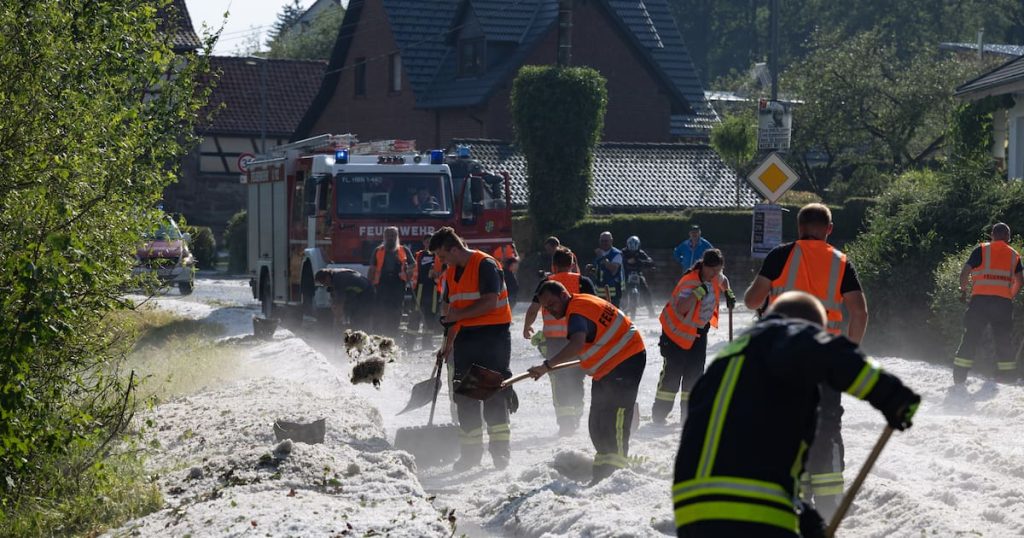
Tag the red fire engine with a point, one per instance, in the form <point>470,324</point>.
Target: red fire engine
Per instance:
<point>325,201</point>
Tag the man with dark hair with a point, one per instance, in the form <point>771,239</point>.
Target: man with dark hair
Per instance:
<point>752,416</point>
<point>566,385</point>
<point>812,265</point>
<point>996,272</point>
<point>476,309</point>
<point>427,296</point>
<point>691,250</point>
<point>611,350</point>
<point>691,311</point>
<point>351,296</point>
<point>550,245</point>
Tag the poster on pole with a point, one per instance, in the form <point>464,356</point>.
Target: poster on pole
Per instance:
<point>766,232</point>
<point>774,125</point>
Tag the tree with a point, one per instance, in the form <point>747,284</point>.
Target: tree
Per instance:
<point>735,140</point>
<point>558,115</point>
<point>286,19</point>
<point>92,131</point>
<point>866,103</point>
<point>313,43</point>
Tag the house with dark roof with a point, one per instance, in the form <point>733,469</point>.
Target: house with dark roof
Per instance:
<point>434,70</point>
<point>254,103</point>
<point>1006,81</point>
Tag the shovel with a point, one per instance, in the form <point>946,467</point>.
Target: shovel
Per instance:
<point>481,383</point>
<point>430,444</point>
<point>837,518</point>
<point>730,325</point>
<point>425,391</point>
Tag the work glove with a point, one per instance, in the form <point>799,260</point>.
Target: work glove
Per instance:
<point>699,292</point>
<point>811,523</point>
<point>730,299</point>
<point>539,341</point>
<point>513,400</point>
<point>899,408</point>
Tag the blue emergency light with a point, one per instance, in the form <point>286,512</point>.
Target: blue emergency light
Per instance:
<point>462,152</point>
<point>436,156</point>
<point>341,156</point>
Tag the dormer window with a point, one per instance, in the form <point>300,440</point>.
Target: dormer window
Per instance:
<point>471,57</point>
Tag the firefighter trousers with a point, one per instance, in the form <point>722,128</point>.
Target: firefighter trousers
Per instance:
<point>489,346</point>
<point>982,312</point>
<point>425,315</point>
<point>611,414</point>
<point>721,529</point>
<point>566,389</point>
<point>680,370</point>
<point>823,478</point>
<point>390,295</point>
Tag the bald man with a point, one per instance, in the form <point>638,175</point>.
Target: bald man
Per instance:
<point>753,414</point>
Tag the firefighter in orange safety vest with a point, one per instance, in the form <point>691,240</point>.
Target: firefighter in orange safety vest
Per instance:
<point>476,308</point>
<point>567,384</point>
<point>611,350</point>
<point>813,266</point>
<point>426,293</point>
<point>995,270</point>
<point>390,272</point>
<point>691,311</point>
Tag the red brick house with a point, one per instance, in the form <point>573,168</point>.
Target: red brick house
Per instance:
<point>434,70</point>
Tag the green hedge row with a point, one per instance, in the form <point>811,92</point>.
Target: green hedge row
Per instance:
<point>666,230</point>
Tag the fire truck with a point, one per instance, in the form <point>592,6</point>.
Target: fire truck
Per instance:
<point>325,202</point>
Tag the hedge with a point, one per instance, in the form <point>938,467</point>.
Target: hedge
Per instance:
<point>203,245</point>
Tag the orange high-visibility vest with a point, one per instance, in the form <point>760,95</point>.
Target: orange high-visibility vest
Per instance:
<point>815,267</point>
<point>466,290</point>
<point>684,332</point>
<point>995,274</point>
<point>378,262</point>
<point>554,327</point>
<point>616,339</point>
<point>504,252</point>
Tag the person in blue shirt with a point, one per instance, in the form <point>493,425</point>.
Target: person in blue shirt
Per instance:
<point>692,250</point>
<point>608,269</point>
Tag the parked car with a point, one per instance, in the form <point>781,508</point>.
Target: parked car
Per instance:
<point>165,253</point>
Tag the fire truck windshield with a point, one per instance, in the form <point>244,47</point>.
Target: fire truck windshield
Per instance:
<point>361,194</point>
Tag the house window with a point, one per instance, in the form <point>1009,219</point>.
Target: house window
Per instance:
<point>395,72</point>
<point>471,57</point>
<point>360,77</point>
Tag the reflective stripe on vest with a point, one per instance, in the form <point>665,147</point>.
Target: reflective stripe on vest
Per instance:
<point>615,341</point>
<point>683,332</point>
<point>727,498</point>
<point>465,290</point>
<point>553,327</point>
<point>803,272</point>
<point>995,274</point>
<point>378,262</point>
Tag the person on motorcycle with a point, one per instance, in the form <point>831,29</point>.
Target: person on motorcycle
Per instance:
<point>634,260</point>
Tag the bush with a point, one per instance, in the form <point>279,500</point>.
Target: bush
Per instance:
<point>236,238</point>
<point>558,114</point>
<point>916,223</point>
<point>203,245</point>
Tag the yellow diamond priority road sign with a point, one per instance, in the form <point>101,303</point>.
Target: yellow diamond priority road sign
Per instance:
<point>773,178</point>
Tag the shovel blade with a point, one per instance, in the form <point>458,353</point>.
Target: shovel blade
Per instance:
<point>430,445</point>
<point>422,394</point>
<point>480,383</point>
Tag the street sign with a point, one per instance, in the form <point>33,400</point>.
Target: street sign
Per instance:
<point>244,160</point>
<point>774,125</point>
<point>766,232</point>
<point>773,178</point>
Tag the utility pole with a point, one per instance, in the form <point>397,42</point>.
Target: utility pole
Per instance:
<point>263,107</point>
<point>773,58</point>
<point>564,33</point>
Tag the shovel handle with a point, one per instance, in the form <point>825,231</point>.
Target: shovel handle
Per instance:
<point>525,375</point>
<point>837,518</point>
